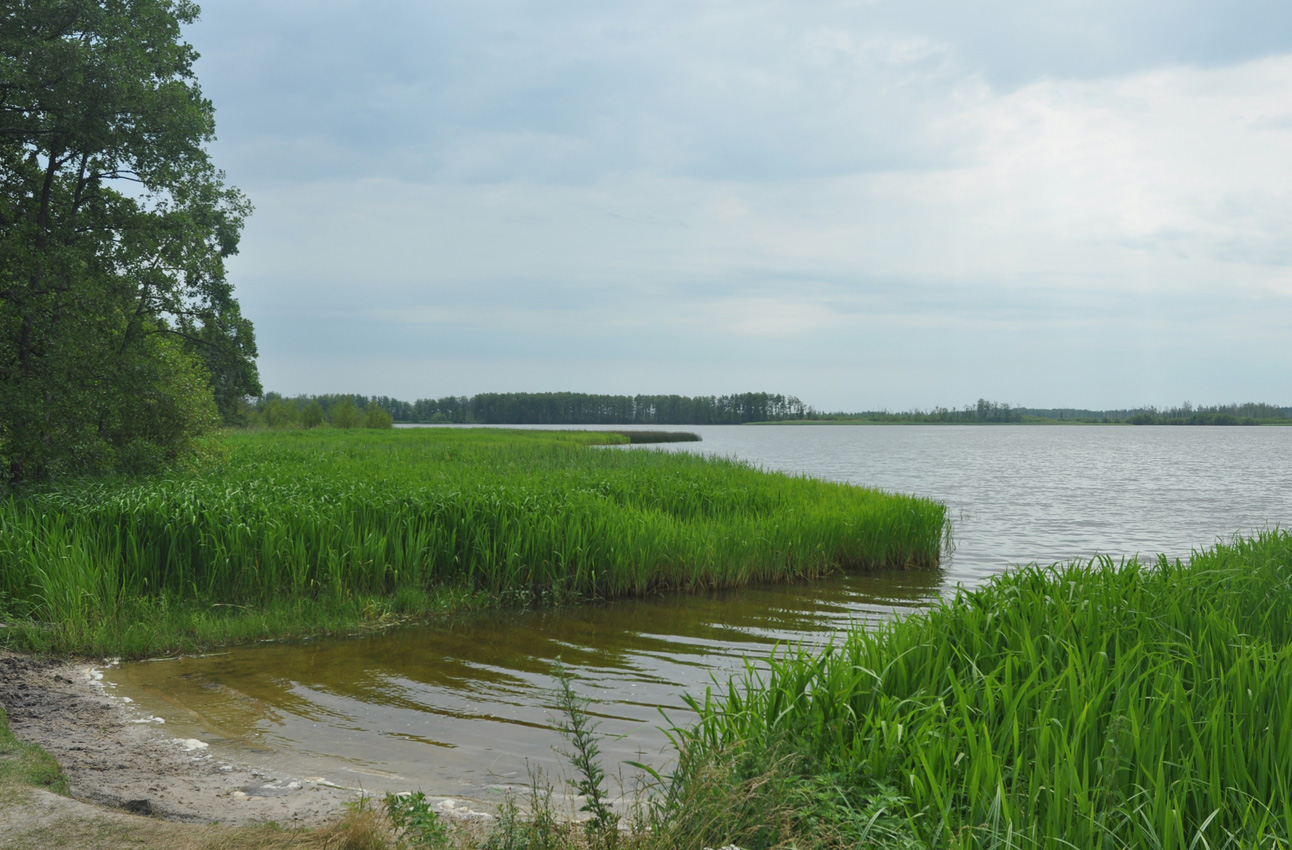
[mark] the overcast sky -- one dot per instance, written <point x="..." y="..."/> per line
<point x="864" y="203"/>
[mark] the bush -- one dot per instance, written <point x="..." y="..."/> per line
<point x="377" y="417"/>
<point x="346" y="415"/>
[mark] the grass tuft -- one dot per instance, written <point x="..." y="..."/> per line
<point x="24" y="764"/>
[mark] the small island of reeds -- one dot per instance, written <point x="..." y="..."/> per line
<point x="325" y="531"/>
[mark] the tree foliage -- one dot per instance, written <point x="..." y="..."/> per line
<point x="346" y="415"/>
<point x="983" y="412"/>
<point x="119" y="333"/>
<point x="543" y="409"/>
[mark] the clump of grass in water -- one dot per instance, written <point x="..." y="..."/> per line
<point x="1086" y="705"/>
<point x="648" y="437"/>
<point x="308" y="523"/>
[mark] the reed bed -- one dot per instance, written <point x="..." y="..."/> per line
<point x="639" y="437"/>
<point x="1092" y="705"/>
<point x="315" y="518"/>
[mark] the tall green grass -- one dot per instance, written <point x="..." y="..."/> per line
<point x="1088" y="706"/>
<point x="324" y="517"/>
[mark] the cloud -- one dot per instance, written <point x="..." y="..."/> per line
<point x="1080" y="182"/>
<point x="1077" y="182"/>
<point x="915" y="191"/>
<point x="569" y="91"/>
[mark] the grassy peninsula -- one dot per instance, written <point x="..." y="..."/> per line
<point x="304" y="532"/>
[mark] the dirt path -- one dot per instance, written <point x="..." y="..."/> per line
<point x="115" y="758"/>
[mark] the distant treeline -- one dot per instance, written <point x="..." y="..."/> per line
<point x="273" y="410"/>
<point x="983" y="411"/>
<point x="1249" y="413"/>
<point x="349" y="410"/>
<point x="336" y="411"/>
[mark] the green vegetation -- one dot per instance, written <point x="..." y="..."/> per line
<point x="23" y="764"/>
<point x="1137" y="705"/>
<point x="995" y="412"/>
<point x="274" y="411"/>
<point x="301" y="532"/>
<point x="119" y="334"/>
<point x="545" y="409"/>
<point x="1229" y="414"/>
<point x="415" y="822"/>
<point x="579" y="730"/>
<point x="645" y="437"/>
<point x="1248" y="413"/>
<point x="1094" y="705"/>
<point x="990" y="412"/>
<point x="346" y="412"/>
<point x="983" y="412"/>
<point x="353" y="411"/>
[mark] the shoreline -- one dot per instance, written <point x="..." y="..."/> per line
<point x="119" y="764"/>
<point x="116" y="759"/>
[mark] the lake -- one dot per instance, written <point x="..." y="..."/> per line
<point x="463" y="708"/>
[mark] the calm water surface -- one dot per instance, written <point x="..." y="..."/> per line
<point x="462" y="708"/>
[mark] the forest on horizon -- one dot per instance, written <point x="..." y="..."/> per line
<point x="567" y="408"/>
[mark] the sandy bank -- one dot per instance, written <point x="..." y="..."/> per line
<point x="114" y="757"/>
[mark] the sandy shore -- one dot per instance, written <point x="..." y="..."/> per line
<point x="115" y="757"/>
<point x="121" y="766"/>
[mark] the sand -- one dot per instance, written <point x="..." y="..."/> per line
<point x="117" y="758"/>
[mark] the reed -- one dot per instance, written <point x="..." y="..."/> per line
<point x="329" y="520"/>
<point x="1087" y="705"/>
<point x="636" y="437"/>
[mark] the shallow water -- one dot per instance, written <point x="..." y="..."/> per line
<point x="463" y="707"/>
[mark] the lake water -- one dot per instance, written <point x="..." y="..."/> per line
<point x="462" y="708"/>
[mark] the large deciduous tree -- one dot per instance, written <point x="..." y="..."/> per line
<point x="119" y="332"/>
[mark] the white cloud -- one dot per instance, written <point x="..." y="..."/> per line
<point x="1130" y="182"/>
<point x="833" y="183"/>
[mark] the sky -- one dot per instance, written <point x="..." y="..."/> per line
<point x="869" y="204"/>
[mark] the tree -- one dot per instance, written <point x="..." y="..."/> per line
<point x="377" y="417"/>
<point x="312" y="415"/>
<point x="281" y="413"/>
<point x="345" y="415"/>
<point x="114" y="229"/>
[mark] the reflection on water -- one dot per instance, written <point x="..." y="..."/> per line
<point x="459" y="707"/>
<point x="455" y="708"/>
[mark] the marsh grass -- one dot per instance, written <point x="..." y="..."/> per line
<point x="353" y="529"/>
<point x="647" y="437"/>
<point x="1088" y="705"/>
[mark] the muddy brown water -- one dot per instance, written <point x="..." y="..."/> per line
<point x="465" y="708"/>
